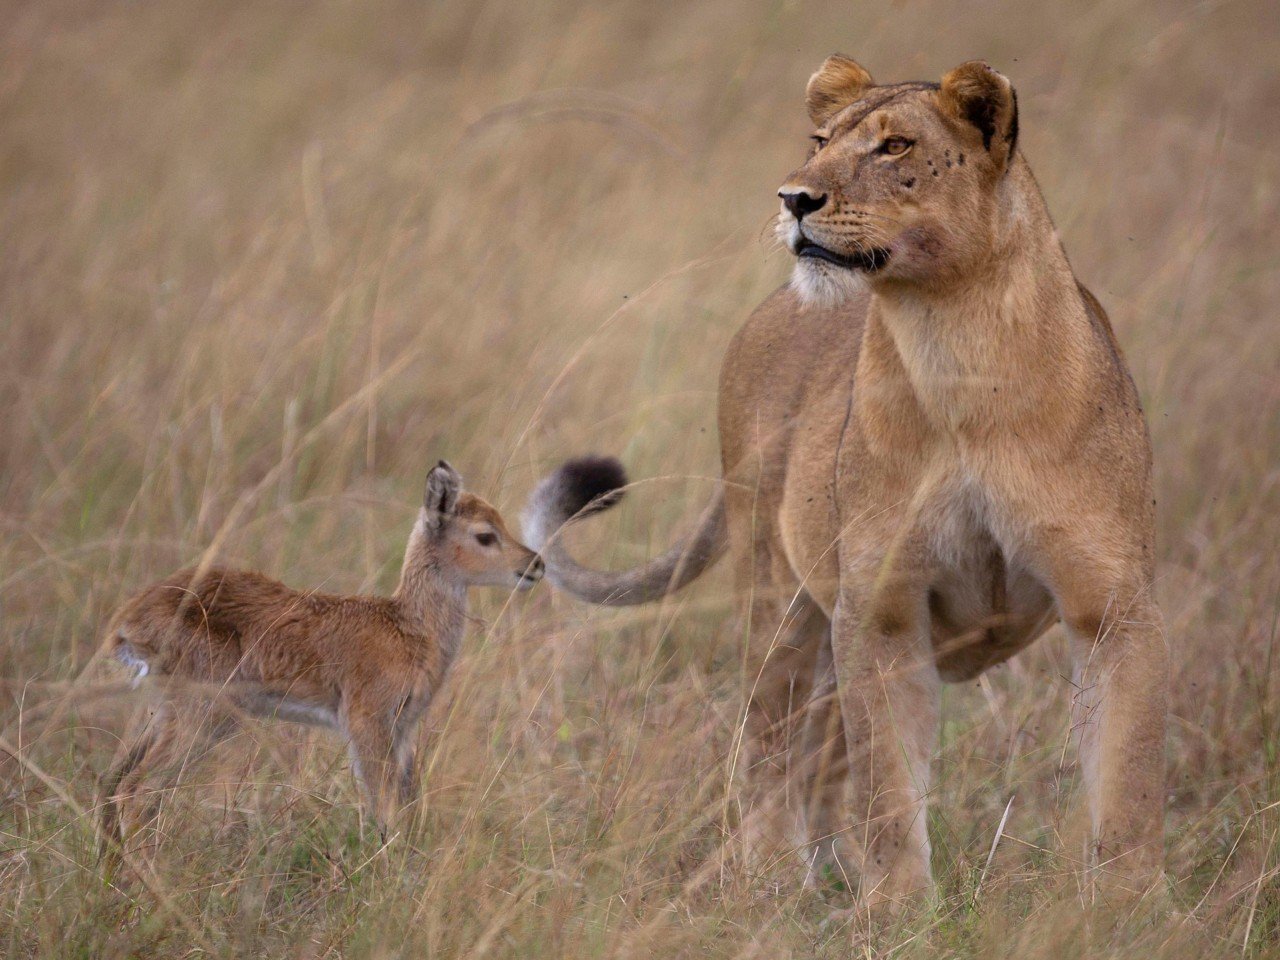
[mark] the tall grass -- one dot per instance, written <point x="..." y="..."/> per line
<point x="261" y="264"/>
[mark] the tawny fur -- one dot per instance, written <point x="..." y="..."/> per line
<point x="367" y="667"/>
<point x="933" y="450"/>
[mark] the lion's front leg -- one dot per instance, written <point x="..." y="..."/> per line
<point x="889" y="696"/>
<point x="1119" y="705"/>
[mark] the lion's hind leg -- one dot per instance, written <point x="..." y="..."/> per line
<point x="792" y="754"/>
<point x="824" y="770"/>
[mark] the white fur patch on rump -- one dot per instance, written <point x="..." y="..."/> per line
<point x="129" y="657"/>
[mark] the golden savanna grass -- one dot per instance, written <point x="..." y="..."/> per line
<point x="262" y="264"/>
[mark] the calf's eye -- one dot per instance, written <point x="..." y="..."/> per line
<point x="486" y="539"/>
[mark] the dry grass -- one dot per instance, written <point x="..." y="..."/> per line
<point x="262" y="263"/>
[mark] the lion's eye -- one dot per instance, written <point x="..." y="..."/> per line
<point x="819" y="141"/>
<point x="896" y="146"/>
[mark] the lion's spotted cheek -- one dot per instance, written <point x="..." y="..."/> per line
<point x="917" y="253"/>
<point x="922" y="246"/>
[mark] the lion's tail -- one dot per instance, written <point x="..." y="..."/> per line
<point x="589" y="485"/>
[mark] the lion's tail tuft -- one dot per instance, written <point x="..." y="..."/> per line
<point x="580" y="488"/>
<point x="590" y="485"/>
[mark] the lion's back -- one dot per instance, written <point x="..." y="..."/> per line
<point x="786" y="358"/>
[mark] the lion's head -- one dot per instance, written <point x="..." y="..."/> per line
<point x="901" y="184"/>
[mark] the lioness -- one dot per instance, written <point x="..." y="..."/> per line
<point x="932" y="451"/>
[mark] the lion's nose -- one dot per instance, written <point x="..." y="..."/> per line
<point x="801" y="201"/>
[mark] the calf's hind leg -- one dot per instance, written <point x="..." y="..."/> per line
<point x="130" y="790"/>
<point x="119" y="784"/>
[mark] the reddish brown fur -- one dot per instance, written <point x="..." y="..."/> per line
<point x="365" y="666"/>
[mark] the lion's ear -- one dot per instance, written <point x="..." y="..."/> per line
<point x="838" y="83"/>
<point x="975" y="93"/>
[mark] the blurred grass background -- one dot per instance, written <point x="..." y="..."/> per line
<point x="261" y="264"/>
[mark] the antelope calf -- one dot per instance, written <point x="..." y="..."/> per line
<point x="366" y="667"/>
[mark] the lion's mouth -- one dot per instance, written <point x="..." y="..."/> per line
<point x="870" y="259"/>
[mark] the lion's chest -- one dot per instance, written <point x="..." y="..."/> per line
<point x="846" y="510"/>
<point x="955" y="520"/>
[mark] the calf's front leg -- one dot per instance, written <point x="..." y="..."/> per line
<point x="369" y="733"/>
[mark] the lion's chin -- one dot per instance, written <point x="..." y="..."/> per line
<point x="822" y="284"/>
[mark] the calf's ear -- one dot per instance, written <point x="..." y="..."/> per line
<point x="444" y="484"/>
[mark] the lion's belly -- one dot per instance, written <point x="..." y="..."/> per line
<point x="983" y="612"/>
<point x="808" y="518"/>
<point x="984" y="606"/>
